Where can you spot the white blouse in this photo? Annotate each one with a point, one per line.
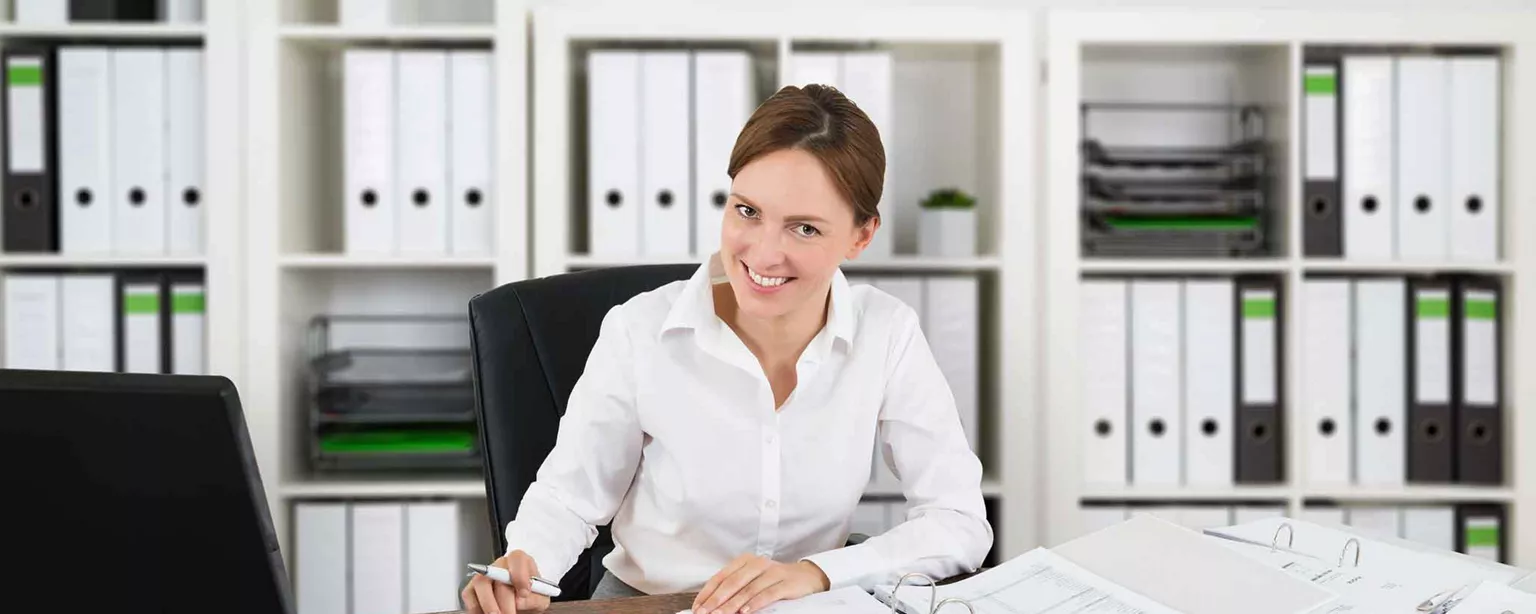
(671, 435)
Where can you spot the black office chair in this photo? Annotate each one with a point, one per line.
(530, 343)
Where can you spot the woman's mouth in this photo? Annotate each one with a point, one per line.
(764, 283)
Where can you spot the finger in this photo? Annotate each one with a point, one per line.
(471, 604)
(734, 583)
(714, 582)
(506, 599)
(771, 595)
(487, 596)
(532, 603)
(522, 572)
(762, 583)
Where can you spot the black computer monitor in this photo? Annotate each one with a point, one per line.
(132, 493)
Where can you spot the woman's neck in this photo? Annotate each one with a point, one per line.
(772, 340)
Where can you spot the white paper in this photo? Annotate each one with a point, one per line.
(1359, 589)
(1038, 581)
(1494, 598)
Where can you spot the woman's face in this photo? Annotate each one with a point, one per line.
(785, 232)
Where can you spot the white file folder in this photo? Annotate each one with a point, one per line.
(141, 324)
(321, 571)
(1375, 520)
(1209, 397)
(433, 576)
(42, 12)
(368, 125)
(613, 150)
(184, 99)
(182, 11)
(722, 103)
(1421, 154)
(371, 13)
(421, 153)
(1100, 517)
(139, 151)
(88, 323)
(85, 150)
(1156, 378)
(188, 328)
(1105, 381)
(378, 558)
(821, 67)
(952, 325)
(1380, 380)
(1327, 381)
(666, 187)
(1474, 159)
(1432, 525)
(867, 80)
(31, 321)
(470, 196)
(1369, 150)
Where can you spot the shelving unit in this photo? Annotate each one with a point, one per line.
(1271, 42)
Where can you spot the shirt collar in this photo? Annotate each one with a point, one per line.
(695, 307)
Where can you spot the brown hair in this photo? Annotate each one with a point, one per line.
(822, 121)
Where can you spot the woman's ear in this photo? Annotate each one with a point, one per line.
(862, 235)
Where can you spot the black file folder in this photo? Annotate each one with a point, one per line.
(31, 214)
(1323, 215)
(114, 10)
(1480, 531)
(1260, 440)
(1431, 421)
(1477, 382)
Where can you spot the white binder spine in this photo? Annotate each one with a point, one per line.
(322, 550)
(1209, 349)
(1474, 207)
(1380, 381)
(613, 149)
(421, 152)
(368, 125)
(184, 98)
(378, 558)
(1431, 525)
(88, 323)
(1156, 378)
(1422, 168)
(722, 103)
(1327, 381)
(141, 326)
(1369, 150)
(188, 328)
(433, 578)
(139, 150)
(1105, 329)
(666, 186)
(85, 150)
(471, 198)
(31, 321)
(42, 12)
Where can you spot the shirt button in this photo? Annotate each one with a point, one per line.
(768, 439)
(771, 504)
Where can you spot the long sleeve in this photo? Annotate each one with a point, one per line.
(946, 531)
(585, 476)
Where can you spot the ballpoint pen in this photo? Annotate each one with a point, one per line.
(498, 574)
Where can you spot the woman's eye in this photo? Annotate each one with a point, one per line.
(746, 212)
(806, 230)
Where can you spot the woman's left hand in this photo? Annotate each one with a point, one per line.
(750, 583)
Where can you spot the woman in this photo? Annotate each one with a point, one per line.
(725, 425)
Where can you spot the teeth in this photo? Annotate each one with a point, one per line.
(766, 282)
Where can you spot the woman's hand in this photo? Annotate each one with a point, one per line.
(751, 582)
(485, 596)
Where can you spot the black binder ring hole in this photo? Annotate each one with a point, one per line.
(83, 197)
(370, 198)
(473, 197)
(1327, 427)
(1319, 207)
(1479, 433)
(1208, 427)
(1369, 204)
(719, 199)
(1421, 204)
(136, 197)
(191, 197)
(1474, 204)
(26, 199)
(664, 198)
(1260, 432)
(1432, 431)
(1158, 427)
(1383, 426)
(420, 197)
(614, 198)
(1101, 428)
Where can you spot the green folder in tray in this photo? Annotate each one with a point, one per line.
(398, 442)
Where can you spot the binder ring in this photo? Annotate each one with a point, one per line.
(940, 605)
(933, 591)
(1356, 542)
(1290, 536)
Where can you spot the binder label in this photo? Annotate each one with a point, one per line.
(1321, 82)
(1480, 309)
(141, 304)
(24, 77)
(1434, 306)
(188, 302)
(1259, 307)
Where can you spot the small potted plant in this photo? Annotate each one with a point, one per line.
(948, 225)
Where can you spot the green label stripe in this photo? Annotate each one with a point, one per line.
(140, 304)
(1321, 84)
(187, 303)
(24, 75)
(1434, 308)
(1483, 536)
(398, 441)
(1480, 310)
(1258, 308)
(1183, 223)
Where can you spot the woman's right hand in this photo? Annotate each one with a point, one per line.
(485, 596)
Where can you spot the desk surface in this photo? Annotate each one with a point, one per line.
(656, 604)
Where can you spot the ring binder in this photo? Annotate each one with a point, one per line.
(1290, 542)
(933, 589)
(1354, 541)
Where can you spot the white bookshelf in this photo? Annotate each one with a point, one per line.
(101, 30)
(1268, 45)
(995, 48)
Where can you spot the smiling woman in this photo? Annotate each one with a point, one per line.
(721, 423)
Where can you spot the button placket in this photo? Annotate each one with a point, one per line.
(768, 527)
